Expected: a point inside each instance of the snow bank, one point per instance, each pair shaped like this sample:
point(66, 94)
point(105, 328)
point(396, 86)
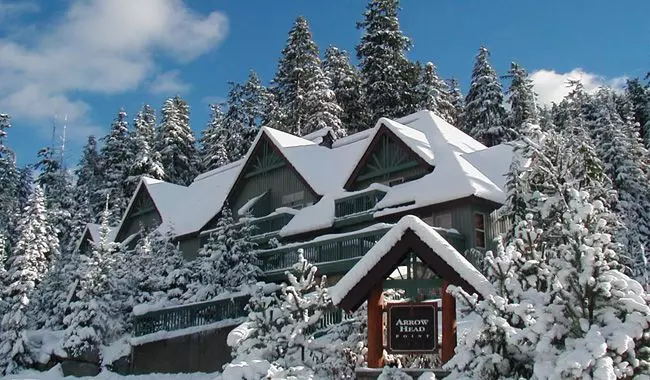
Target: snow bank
point(44, 343)
point(56, 374)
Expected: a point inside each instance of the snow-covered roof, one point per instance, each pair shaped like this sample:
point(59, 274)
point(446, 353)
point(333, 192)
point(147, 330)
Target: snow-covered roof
point(431, 238)
point(93, 230)
point(317, 135)
point(462, 167)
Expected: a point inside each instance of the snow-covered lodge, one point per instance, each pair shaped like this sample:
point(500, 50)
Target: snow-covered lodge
point(334, 198)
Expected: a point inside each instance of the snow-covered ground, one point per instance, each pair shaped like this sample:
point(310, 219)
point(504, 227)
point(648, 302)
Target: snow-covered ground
point(55, 374)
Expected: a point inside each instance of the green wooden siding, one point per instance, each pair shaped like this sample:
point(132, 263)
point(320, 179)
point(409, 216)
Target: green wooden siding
point(190, 247)
point(142, 214)
point(279, 182)
point(389, 160)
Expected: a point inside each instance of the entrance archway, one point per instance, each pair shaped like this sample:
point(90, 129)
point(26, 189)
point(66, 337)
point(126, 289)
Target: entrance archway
point(410, 240)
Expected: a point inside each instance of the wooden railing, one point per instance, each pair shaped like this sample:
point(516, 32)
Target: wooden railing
point(183, 316)
point(342, 248)
point(357, 203)
point(272, 223)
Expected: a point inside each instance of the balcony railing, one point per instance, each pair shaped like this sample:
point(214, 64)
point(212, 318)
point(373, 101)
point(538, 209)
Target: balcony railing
point(183, 316)
point(347, 247)
point(336, 249)
point(204, 313)
point(357, 203)
point(272, 223)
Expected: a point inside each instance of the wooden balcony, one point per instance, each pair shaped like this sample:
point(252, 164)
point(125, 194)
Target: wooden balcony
point(271, 223)
point(357, 203)
point(184, 316)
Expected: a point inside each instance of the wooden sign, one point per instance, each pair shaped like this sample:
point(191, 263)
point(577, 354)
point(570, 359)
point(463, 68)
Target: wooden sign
point(412, 327)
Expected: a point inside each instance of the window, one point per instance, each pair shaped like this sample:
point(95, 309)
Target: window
point(442, 220)
point(294, 200)
point(395, 181)
point(479, 230)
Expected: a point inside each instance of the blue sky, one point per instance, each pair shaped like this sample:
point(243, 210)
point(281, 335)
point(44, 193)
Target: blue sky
point(87, 58)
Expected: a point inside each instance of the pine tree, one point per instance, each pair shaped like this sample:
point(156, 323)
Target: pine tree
point(484, 117)
point(214, 139)
point(116, 158)
point(89, 175)
point(246, 105)
point(346, 83)
point(9, 179)
point(147, 160)
point(388, 79)
point(620, 150)
point(253, 101)
point(456, 99)
point(88, 319)
point(301, 89)
point(558, 293)
point(523, 108)
point(434, 95)
point(32, 257)
point(236, 264)
point(279, 323)
point(176, 143)
point(56, 183)
point(163, 277)
point(639, 96)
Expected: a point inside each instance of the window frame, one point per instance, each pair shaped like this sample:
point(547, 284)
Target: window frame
point(478, 231)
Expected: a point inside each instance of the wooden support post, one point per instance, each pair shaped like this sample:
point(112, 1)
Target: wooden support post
point(448, 324)
point(375, 327)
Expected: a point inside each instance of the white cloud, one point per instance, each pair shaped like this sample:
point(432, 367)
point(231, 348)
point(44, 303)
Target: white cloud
point(551, 86)
point(17, 8)
point(100, 47)
point(168, 83)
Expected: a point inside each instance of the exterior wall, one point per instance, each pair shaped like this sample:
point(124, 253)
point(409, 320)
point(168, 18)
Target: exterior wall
point(280, 182)
point(149, 221)
point(189, 247)
point(201, 352)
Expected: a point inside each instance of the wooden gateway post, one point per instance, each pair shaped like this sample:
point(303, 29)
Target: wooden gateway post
point(365, 282)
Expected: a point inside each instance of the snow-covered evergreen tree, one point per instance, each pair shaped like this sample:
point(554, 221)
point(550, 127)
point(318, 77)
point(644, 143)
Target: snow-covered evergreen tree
point(278, 323)
point(345, 81)
point(88, 319)
point(234, 251)
point(246, 107)
point(176, 142)
point(36, 249)
point(521, 97)
point(639, 97)
point(213, 142)
point(433, 93)
point(116, 158)
point(87, 188)
point(387, 76)
point(457, 100)
point(9, 179)
point(484, 117)
point(301, 88)
point(147, 161)
point(163, 277)
point(561, 308)
point(619, 148)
